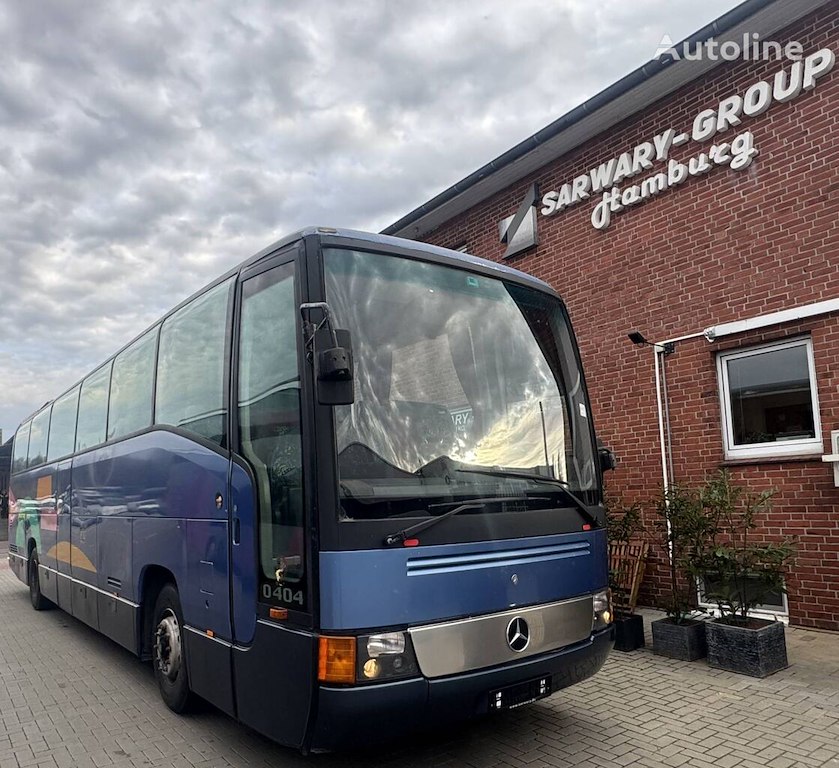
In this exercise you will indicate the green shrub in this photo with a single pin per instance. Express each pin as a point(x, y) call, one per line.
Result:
point(739, 572)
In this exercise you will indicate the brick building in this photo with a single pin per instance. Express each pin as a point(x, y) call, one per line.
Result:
point(693, 195)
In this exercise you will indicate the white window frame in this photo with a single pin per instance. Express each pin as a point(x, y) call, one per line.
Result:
point(758, 612)
point(806, 446)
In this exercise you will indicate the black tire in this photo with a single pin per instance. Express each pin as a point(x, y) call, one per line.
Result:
point(36, 597)
point(169, 651)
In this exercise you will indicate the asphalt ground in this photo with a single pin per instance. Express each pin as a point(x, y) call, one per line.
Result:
point(70, 698)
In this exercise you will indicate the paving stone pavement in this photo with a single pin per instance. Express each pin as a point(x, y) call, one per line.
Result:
point(70, 698)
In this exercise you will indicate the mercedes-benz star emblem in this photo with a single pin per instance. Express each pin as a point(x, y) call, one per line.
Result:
point(518, 634)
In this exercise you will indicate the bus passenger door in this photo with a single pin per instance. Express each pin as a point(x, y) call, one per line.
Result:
point(271, 574)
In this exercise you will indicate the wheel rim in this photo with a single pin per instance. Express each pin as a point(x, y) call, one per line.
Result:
point(168, 645)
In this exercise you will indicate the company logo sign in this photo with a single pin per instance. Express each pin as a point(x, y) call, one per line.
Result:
point(519, 231)
point(608, 179)
point(518, 634)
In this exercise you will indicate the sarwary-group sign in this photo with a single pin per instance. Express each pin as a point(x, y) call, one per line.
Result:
point(737, 154)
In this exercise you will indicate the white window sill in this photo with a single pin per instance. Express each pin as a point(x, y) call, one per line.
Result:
point(813, 455)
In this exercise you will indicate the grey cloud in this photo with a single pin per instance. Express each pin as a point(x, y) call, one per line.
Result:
point(19, 106)
point(147, 147)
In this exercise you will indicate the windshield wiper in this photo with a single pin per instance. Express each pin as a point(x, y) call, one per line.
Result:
point(407, 533)
point(512, 473)
point(561, 486)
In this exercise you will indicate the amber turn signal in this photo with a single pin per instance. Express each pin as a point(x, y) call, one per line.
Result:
point(336, 659)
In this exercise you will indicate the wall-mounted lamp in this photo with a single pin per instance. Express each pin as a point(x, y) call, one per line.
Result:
point(636, 337)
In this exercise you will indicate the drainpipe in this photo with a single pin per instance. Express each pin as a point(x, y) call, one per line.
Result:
point(668, 433)
point(658, 350)
point(661, 349)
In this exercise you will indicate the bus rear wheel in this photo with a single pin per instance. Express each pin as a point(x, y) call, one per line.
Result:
point(36, 597)
point(169, 651)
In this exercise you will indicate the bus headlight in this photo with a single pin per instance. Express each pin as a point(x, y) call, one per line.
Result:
point(385, 656)
point(386, 644)
point(603, 614)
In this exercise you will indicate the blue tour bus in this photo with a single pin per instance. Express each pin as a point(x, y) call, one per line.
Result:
point(349, 489)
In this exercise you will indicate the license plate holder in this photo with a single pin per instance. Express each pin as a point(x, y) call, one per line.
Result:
point(520, 694)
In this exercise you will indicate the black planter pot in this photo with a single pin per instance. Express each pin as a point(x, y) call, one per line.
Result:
point(629, 632)
point(750, 650)
point(685, 641)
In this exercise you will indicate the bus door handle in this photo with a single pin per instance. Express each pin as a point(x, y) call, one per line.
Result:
point(237, 529)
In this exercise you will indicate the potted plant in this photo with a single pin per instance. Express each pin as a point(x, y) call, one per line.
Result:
point(627, 556)
point(738, 574)
point(681, 527)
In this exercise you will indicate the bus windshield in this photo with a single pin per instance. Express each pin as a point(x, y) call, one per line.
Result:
point(466, 386)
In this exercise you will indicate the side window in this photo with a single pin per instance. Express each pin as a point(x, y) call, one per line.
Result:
point(132, 383)
point(38, 439)
point(93, 409)
point(21, 447)
point(63, 425)
point(190, 366)
point(269, 430)
point(769, 400)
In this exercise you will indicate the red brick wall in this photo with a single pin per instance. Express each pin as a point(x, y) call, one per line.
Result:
point(725, 246)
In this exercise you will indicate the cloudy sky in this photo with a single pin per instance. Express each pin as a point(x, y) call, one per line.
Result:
point(145, 147)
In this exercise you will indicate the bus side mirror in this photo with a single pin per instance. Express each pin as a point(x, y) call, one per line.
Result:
point(331, 351)
point(334, 366)
point(335, 362)
point(608, 460)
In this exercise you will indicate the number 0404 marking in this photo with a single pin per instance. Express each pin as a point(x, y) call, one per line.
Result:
point(283, 594)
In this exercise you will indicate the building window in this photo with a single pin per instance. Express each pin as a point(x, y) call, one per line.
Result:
point(773, 605)
point(770, 406)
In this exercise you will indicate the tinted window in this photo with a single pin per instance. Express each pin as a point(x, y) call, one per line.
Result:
point(93, 409)
point(38, 438)
point(63, 425)
point(131, 387)
point(21, 447)
point(770, 396)
point(190, 366)
point(269, 423)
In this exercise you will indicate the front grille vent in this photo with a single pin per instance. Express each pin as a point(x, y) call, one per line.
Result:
point(426, 566)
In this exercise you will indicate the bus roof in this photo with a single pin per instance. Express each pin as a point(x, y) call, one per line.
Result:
point(385, 241)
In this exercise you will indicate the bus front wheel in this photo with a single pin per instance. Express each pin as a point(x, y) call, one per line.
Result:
point(169, 652)
point(36, 597)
